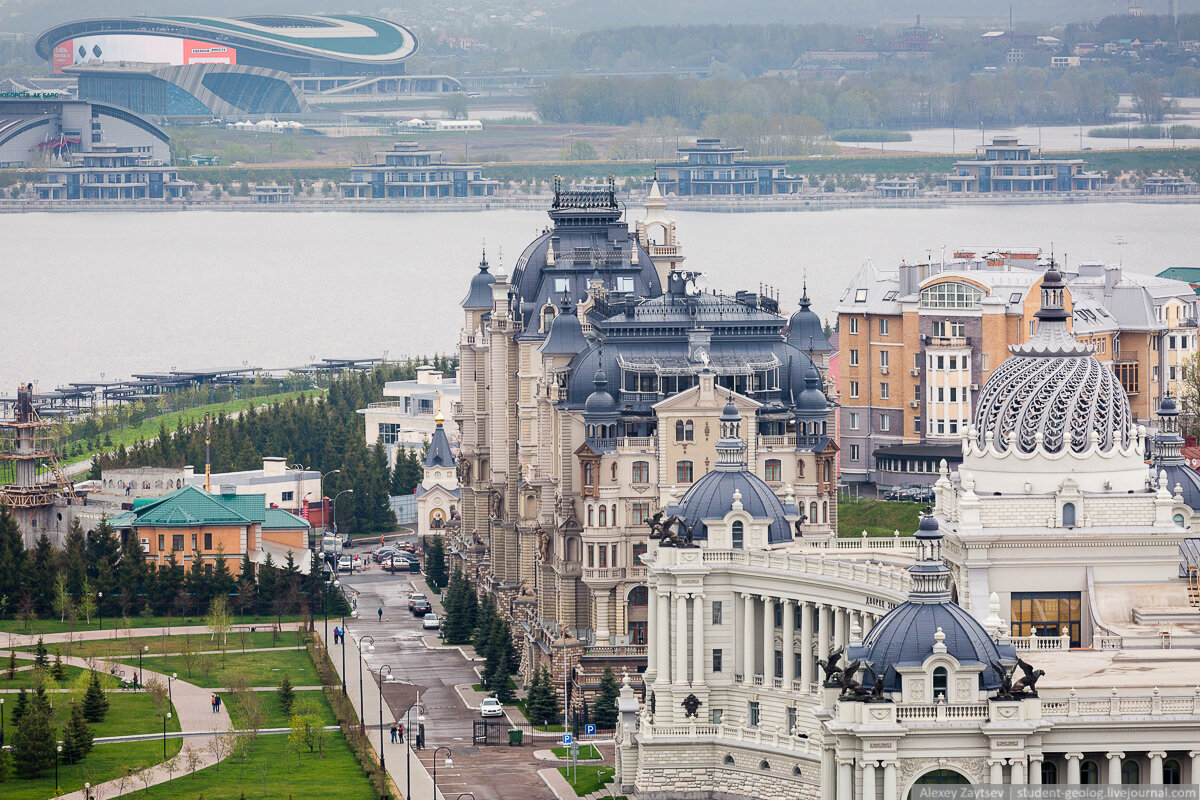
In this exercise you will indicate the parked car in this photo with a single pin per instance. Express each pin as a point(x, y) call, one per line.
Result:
point(431, 622)
point(421, 608)
point(407, 546)
point(491, 707)
point(346, 564)
point(415, 598)
point(384, 553)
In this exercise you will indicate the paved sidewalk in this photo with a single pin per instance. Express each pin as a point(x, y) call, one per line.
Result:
point(13, 639)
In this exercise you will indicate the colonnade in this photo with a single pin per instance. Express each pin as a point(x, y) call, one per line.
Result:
point(757, 660)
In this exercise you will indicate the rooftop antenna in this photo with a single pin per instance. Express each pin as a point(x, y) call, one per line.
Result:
point(207, 452)
point(1120, 243)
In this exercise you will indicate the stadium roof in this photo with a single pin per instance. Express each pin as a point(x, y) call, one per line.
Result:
point(346, 37)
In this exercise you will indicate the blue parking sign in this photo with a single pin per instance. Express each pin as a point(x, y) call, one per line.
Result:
point(589, 730)
point(566, 738)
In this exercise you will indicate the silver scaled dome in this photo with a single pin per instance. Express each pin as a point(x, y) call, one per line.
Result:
point(1052, 394)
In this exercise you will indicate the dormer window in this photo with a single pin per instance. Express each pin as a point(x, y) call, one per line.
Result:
point(739, 535)
point(940, 682)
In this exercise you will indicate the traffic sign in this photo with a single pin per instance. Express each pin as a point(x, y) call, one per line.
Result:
point(566, 738)
point(589, 730)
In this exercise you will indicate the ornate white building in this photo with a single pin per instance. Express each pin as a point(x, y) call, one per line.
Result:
point(1053, 520)
point(438, 495)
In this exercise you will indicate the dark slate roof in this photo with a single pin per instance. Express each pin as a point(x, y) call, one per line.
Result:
point(439, 454)
point(951, 452)
point(566, 334)
point(904, 637)
point(805, 330)
point(1188, 482)
point(711, 497)
point(479, 296)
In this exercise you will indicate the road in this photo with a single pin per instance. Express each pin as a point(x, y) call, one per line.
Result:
point(489, 773)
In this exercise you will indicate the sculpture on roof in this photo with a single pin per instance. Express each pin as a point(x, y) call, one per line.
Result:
point(1025, 687)
point(691, 706)
point(852, 689)
point(832, 671)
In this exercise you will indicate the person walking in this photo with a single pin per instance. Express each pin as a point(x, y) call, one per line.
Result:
point(393, 733)
point(217, 699)
point(213, 702)
point(380, 612)
point(400, 732)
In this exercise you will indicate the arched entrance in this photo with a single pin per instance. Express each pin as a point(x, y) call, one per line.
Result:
point(937, 777)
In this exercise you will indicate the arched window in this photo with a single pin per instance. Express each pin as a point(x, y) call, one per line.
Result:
point(688, 430)
point(679, 430)
point(591, 431)
point(800, 467)
point(683, 472)
point(589, 473)
point(603, 516)
point(638, 596)
point(641, 472)
point(765, 766)
point(940, 680)
point(612, 517)
point(591, 518)
point(812, 512)
point(774, 471)
point(1178, 520)
point(547, 318)
point(824, 511)
point(938, 776)
point(1049, 772)
point(1130, 774)
point(1089, 773)
point(1173, 773)
point(729, 760)
point(827, 472)
point(738, 535)
point(1068, 515)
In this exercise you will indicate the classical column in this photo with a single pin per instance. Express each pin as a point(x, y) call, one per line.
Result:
point(1114, 768)
point(1156, 776)
point(698, 654)
point(823, 624)
point(1073, 767)
point(681, 638)
point(1018, 771)
point(663, 641)
point(889, 781)
point(652, 632)
point(1035, 770)
point(851, 619)
point(997, 770)
point(768, 639)
point(789, 633)
point(827, 768)
point(839, 630)
point(845, 780)
point(806, 658)
point(602, 631)
point(868, 622)
point(1195, 777)
point(748, 640)
point(868, 781)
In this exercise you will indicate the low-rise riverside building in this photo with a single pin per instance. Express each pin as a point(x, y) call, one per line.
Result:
point(409, 171)
point(113, 172)
point(712, 167)
point(1007, 166)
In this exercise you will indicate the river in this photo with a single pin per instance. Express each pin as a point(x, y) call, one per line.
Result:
point(124, 292)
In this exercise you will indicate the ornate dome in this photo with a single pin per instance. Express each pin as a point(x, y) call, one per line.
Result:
point(600, 402)
point(811, 400)
point(566, 333)
point(713, 496)
point(479, 296)
point(804, 329)
point(907, 634)
point(1052, 394)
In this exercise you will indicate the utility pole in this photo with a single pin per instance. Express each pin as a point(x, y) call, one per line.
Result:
point(207, 452)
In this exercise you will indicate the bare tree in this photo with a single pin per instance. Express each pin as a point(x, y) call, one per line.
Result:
point(218, 622)
point(191, 758)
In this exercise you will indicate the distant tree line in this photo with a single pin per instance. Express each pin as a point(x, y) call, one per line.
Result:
point(323, 434)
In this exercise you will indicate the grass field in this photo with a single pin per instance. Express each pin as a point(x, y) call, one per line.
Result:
point(113, 624)
point(175, 643)
point(274, 714)
point(104, 763)
point(23, 678)
point(271, 771)
point(587, 779)
point(260, 669)
point(148, 428)
point(129, 713)
point(586, 753)
point(878, 517)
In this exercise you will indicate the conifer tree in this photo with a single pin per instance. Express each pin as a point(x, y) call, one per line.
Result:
point(498, 666)
point(605, 708)
point(12, 665)
point(221, 584)
point(77, 737)
point(95, 701)
point(33, 742)
point(483, 627)
point(41, 658)
point(57, 669)
point(457, 627)
point(541, 704)
point(22, 705)
point(286, 695)
point(435, 561)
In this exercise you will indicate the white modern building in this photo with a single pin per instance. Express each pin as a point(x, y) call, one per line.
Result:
point(407, 417)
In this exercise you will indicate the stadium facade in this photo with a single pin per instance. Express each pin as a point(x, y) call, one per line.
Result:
point(185, 65)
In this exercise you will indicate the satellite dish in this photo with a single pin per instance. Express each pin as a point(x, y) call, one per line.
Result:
point(690, 287)
point(701, 281)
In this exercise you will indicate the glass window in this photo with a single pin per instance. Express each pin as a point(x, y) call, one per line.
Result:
point(591, 551)
point(738, 535)
point(774, 469)
point(939, 683)
point(641, 512)
point(717, 610)
point(641, 472)
point(1046, 614)
point(603, 518)
point(637, 632)
point(1089, 773)
point(1049, 772)
point(683, 472)
point(208, 541)
point(589, 473)
point(638, 596)
point(754, 714)
point(854, 325)
point(1130, 774)
point(860, 296)
point(177, 542)
point(950, 294)
point(639, 550)
point(854, 388)
point(853, 420)
point(883, 327)
point(1172, 773)
point(778, 663)
point(854, 358)
point(885, 392)
point(717, 664)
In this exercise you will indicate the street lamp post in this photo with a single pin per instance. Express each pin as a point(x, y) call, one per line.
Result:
point(87, 791)
point(100, 608)
point(449, 763)
point(325, 597)
point(174, 676)
point(58, 755)
point(335, 497)
point(408, 755)
point(382, 672)
point(362, 709)
point(343, 654)
point(322, 487)
point(145, 648)
point(1, 722)
point(165, 718)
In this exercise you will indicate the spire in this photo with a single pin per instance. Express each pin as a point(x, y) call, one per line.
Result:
point(930, 575)
point(1168, 444)
point(805, 303)
point(731, 450)
point(1053, 336)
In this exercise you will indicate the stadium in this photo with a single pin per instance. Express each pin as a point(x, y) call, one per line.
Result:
point(232, 67)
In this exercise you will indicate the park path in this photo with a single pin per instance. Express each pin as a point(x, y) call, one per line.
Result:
point(194, 711)
point(12, 639)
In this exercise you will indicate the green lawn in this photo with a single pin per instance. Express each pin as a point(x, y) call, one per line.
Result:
point(271, 771)
point(260, 669)
point(274, 714)
point(38, 626)
point(586, 753)
point(149, 427)
point(554, 728)
point(878, 517)
point(587, 779)
point(104, 763)
point(175, 643)
point(129, 713)
point(24, 677)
